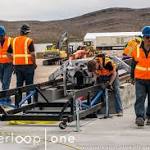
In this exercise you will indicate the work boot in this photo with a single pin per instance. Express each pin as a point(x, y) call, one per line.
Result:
point(148, 121)
point(139, 121)
point(120, 114)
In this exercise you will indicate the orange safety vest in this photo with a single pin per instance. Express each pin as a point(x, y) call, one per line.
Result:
point(103, 71)
point(21, 54)
point(142, 69)
point(3, 51)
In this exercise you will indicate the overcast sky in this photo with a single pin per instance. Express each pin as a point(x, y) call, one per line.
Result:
point(59, 9)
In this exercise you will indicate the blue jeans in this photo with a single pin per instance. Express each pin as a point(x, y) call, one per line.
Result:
point(5, 75)
point(142, 88)
point(116, 87)
point(118, 102)
point(24, 74)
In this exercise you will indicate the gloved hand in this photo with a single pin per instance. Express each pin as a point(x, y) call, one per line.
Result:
point(35, 66)
point(132, 81)
point(109, 86)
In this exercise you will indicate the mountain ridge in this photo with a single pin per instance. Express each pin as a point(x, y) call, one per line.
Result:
point(106, 20)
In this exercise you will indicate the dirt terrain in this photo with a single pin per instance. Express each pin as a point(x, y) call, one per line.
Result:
point(107, 20)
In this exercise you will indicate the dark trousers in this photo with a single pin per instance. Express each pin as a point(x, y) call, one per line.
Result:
point(24, 74)
point(142, 88)
point(5, 75)
point(6, 70)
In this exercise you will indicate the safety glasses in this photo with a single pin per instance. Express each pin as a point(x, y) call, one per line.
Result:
point(147, 37)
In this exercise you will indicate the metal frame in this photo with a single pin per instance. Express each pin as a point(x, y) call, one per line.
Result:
point(68, 110)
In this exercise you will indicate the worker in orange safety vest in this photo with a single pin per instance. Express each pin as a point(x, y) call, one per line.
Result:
point(140, 73)
point(6, 66)
point(24, 57)
point(106, 71)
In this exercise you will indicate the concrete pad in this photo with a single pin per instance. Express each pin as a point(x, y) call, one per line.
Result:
point(117, 133)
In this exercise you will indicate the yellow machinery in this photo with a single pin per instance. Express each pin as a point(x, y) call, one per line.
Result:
point(56, 54)
point(51, 51)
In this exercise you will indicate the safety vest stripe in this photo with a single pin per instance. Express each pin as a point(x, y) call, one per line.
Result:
point(8, 42)
point(22, 55)
point(138, 52)
point(14, 41)
point(142, 68)
point(3, 56)
point(26, 51)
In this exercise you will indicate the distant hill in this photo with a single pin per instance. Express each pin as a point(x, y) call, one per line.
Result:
point(106, 20)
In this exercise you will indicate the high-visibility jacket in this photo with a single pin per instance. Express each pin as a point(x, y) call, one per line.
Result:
point(142, 68)
point(103, 71)
point(21, 54)
point(132, 45)
point(3, 51)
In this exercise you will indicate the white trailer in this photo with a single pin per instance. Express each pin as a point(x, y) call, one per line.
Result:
point(111, 40)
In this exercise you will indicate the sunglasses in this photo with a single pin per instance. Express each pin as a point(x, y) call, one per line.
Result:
point(147, 37)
